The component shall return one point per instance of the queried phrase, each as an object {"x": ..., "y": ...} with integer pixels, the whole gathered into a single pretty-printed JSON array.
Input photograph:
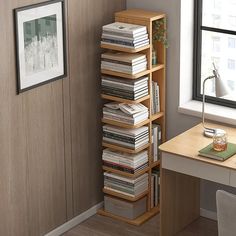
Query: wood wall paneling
[{"x": 50, "y": 150}]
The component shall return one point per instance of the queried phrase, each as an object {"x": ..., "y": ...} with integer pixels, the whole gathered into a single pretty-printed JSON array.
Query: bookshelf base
[{"x": 138, "y": 221}]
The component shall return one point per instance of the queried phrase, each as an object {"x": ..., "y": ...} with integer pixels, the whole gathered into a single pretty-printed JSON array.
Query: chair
[{"x": 226, "y": 213}]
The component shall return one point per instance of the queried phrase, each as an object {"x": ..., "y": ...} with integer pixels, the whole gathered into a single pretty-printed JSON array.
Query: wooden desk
[{"x": 181, "y": 171}]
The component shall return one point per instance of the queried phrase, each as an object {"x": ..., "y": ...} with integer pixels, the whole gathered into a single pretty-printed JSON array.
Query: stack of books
[
  {"x": 156, "y": 141},
  {"x": 127, "y": 63},
  {"x": 124, "y": 185},
  {"x": 125, "y": 35},
  {"x": 124, "y": 88},
  {"x": 128, "y": 138},
  {"x": 130, "y": 163},
  {"x": 155, "y": 188},
  {"x": 155, "y": 98},
  {"x": 131, "y": 114}
]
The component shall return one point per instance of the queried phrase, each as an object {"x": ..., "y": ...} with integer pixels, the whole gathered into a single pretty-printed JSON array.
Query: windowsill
[{"x": 212, "y": 112}]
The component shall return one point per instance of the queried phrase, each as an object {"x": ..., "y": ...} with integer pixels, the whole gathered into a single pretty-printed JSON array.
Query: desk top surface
[{"x": 191, "y": 141}]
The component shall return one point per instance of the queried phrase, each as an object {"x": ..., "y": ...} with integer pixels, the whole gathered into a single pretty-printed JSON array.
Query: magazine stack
[
  {"x": 130, "y": 163},
  {"x": 122, "y": 62},
  {"x": 124, "y": 88},
  {"x": 128, "y": 138},
  {"x": 127, "y": 186},
  {"x": 125, "y": 35},
  {"x": 131, "y": 114}
]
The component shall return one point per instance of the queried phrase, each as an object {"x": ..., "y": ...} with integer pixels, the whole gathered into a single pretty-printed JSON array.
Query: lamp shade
[{"x": 221, "y": 88}]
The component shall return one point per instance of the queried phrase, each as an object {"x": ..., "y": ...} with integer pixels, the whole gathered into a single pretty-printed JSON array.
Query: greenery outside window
[{"x": 215, "y": 41}]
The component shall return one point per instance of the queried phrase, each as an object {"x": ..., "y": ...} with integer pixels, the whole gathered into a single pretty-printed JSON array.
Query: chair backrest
[{"x": 226, "y": 213}]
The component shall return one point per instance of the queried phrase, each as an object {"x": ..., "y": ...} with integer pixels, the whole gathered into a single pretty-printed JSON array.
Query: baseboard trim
[
  {"x": 75, "y": 221},
  {"x": 208, "y": 214}
]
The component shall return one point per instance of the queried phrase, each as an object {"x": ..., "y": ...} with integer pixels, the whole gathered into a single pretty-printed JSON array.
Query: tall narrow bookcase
[{"x": 156, "y": 73}]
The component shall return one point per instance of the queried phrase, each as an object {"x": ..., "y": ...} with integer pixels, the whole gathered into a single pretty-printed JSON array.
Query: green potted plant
[{"x": 158, "y": 35}]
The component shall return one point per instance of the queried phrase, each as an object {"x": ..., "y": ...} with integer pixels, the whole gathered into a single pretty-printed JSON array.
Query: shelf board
[
  {"x": 123, "y": 196},
  {"x": 123, "y": 149},
  {"x": 124, "y": 49},
  {"x": 105, "y": 168},
  {"x": 117, "y": 99},
  {"x": 139, "y": 15},
  {"x": 120, "y": 124},
  {"x": 157, "y": 67},
  {"x": 123, "y": 75},
  {"x": 155, "y": 164},
  {"x": 157, "y": 116},
  {"x": 138, "y": 221}
]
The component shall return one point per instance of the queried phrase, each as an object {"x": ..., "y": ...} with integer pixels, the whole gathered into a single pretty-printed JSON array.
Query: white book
[
  {"x": 155, "y": 143},
  {"x": 113, "y": 105},
  {"x": 121, "y": 27},
  {"x": 128, "y": 132},
  {"x": 125, "y": 67},
  {"x": 125, "y": 120},
  {"x": 126, "y": 155},
  {"x": 126, "y": 179},
  {"x": 132, "y": 108},
  {"x": 125, "y": 39},
  {"x": 122, "y": 70}
]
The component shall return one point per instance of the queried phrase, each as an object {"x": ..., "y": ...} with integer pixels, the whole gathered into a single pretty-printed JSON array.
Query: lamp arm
[{"x": 203, "y": 104}]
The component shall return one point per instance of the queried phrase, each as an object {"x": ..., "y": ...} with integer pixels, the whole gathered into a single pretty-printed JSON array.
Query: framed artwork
[{"x": 40, "y": 44}]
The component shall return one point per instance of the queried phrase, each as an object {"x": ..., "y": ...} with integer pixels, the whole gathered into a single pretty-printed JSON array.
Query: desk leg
[{"x": 180, "y": 204}]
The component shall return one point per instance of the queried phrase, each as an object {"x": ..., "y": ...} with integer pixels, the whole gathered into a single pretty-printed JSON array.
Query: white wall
[{"x": 176, "y": 122}]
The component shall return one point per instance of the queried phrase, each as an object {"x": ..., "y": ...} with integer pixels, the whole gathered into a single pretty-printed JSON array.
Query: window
[
  {"x": 215, "y": 41},
  {"x": 215, "y": 44},
  {"x": 231, "y": 42},
  {"x": 231, "y": 64}
]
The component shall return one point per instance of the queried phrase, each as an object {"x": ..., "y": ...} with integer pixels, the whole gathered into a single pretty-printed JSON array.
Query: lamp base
[{"x": 210, "y": 133}]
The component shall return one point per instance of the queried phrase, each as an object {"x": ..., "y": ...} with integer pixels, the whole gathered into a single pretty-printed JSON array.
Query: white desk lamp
[{"x": 221, "y": 91}]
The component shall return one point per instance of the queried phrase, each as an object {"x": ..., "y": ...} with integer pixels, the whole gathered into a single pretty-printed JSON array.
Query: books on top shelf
[
  {"x": 156, "y": 141},
  {"x": 130, "y": 163},
  {"x": 155, "y": 98},
  {"x": 209, "y": 152},
  {"x": 127, "y": 63},
  {"x": 125, "y": 35},
  {"x": 124, "y": 185},
  {"x": 155, "y": 187},
  {"x": 124, "y": 88},
  {"x": 125, "y": 113},
  {"x": 129, "y": 138}
]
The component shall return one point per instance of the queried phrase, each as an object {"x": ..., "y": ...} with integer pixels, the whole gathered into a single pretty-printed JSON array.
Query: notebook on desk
[{"x": 209, "y": 152}]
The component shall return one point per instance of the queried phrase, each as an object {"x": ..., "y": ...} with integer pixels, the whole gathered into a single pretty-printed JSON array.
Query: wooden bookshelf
[
  {"x": 125, "y": 174},
  {"x": 120, "y": 124},
  {"x": 138, "y": 221},
  {"x": 155, "y": 73},
  {"x": 117, "y": 99},
  {"x": 123, "y": 149},
  {"x": 123, "y": 49},
  {"x": 124, "y": 196},
  {"x": 124, "y": 75}
]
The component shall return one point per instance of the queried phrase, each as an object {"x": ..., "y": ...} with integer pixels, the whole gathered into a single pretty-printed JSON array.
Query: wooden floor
[{"x": 103, "y": 226}]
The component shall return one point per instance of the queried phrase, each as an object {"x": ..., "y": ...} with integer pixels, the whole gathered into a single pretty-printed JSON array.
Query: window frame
[{"x": 197, "y": 57}]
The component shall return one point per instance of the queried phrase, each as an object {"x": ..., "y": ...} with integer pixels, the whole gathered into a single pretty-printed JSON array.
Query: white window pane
[
  {"x": 219, "y": 14},
  {"x": 216, "y": 48}
]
